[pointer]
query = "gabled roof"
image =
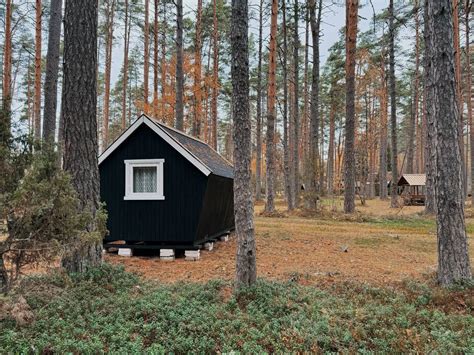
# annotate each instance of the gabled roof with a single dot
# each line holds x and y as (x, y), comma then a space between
(412, 180)
(198, 153)
(205, 153)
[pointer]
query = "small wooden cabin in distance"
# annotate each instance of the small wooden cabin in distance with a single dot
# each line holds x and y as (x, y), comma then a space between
(412, 188)
(164, 189)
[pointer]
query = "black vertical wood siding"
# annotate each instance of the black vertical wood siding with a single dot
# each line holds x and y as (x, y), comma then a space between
(217, 214)
(171, 221)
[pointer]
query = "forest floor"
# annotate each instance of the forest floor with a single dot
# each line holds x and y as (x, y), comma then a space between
(378, 245)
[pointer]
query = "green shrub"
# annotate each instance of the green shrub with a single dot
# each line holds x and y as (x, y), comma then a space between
(109, 310)
(45, 219)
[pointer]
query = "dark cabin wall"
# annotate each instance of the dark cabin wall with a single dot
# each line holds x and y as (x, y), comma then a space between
(171, 221)
(217, 214)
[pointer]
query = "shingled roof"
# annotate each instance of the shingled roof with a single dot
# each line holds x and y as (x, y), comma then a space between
(208, 156)
(198, 153)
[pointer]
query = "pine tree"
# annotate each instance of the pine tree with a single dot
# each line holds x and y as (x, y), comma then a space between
(349, 149)
(271, 112)
(79, 107)
(246, 269)
(52, 69)
(179, 66)
(453, 257)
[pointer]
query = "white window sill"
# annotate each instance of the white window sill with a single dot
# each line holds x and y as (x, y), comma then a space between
(140, 197)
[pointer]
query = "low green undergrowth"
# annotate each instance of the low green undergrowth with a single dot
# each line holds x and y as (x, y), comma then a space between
(110, 310)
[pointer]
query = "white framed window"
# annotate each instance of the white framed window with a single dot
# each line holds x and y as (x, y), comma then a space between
(144, 179)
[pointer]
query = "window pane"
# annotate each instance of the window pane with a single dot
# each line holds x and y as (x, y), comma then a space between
(144, 179)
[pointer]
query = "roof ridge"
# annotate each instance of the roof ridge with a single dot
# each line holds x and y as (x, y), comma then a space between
(176, 130)
(188, 136)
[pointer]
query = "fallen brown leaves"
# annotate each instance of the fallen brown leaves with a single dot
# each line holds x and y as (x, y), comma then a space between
(311, 250)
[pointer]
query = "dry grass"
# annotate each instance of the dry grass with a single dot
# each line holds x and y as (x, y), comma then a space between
(382, 246)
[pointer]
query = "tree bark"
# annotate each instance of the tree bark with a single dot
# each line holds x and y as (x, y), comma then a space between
(79, 98)
(197, 74)
(453, 257)
(419, 125)
(110, 13)
(155, 60)
(126, 46)
(349, 150)
(383, 131)
(393, 109)
(313, 156)
(5, 112)
(296, 117)
(52, 69)
(271, 111)
(179, 66)
(163, 63)
(246, 268)
(430, 152)
(457, 73)
(146, 53)
(468, 8)
(37, 99)
(258, 162)
(332, 131)
(215, 75)
(286, 151)
(411, 133)
(306, 106)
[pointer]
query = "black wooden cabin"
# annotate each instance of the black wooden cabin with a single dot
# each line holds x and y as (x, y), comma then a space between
(162, 187)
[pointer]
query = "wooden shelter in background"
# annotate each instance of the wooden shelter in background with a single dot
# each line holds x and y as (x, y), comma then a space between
(412, 188)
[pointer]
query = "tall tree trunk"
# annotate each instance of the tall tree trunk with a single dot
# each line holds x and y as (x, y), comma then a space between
(5, 112)
(410, 153)
(313, 156)
(246, 268)
(321, 151)
(286, 151)
(163, 63)
(79, 100)
(457, 74)
(258, 163)
(52, 69)
(215, 76)
(29, 101)
(296, 117)
(38, 40)
(393, 110)
(430, 152)
(383, 131)
(7, 73)
(271, 111)
(126, 46)
(179, 66)
(332, 131)
(146, 53)
(416, 94)
(155, 60)
(468, 8)
(197, 74)
(453, 257)
(349, 149)
(306, 107)
(109, 38)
